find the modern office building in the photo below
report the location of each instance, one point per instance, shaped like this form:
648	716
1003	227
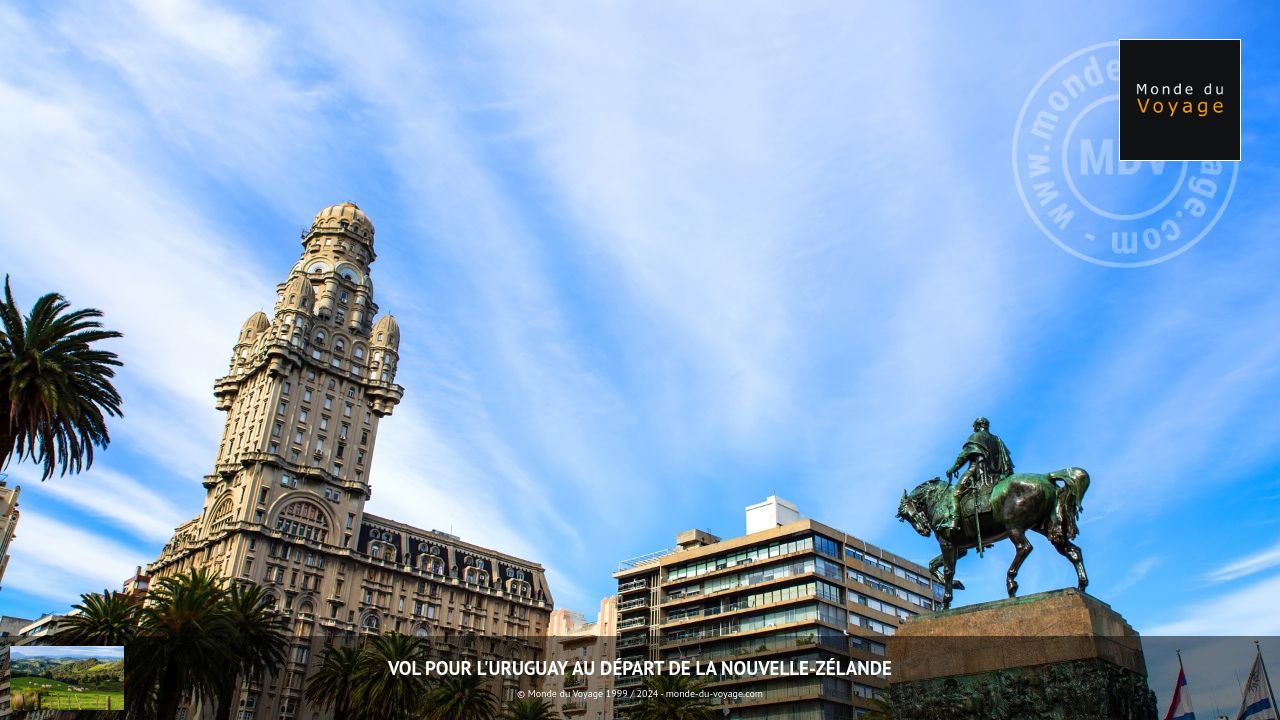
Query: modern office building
791	588
8	521
572	639
284	508
41	628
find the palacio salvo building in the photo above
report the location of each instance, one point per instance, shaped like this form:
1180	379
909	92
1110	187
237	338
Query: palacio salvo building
307	389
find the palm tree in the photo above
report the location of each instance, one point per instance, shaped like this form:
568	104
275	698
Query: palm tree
529	709
259	640
672	697
382	694
460	697
55	387
330	687
181	645
882	706
109	618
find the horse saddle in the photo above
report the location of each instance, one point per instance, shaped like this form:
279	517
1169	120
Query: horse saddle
976	499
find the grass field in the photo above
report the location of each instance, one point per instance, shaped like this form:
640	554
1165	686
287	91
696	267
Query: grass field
56	695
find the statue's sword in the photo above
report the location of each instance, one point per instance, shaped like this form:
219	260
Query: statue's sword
977	514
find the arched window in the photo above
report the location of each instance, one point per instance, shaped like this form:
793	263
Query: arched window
303	519
431	564
420	631
371	622
221	515
320	337
358	351
339	346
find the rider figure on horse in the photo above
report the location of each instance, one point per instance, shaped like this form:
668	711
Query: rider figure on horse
989	462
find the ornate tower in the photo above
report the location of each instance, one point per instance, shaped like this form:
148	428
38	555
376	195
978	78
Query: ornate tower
284	506
304	394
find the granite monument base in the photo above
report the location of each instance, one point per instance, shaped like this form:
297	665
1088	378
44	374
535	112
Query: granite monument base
1060	655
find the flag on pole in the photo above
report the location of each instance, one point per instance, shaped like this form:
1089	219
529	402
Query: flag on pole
1180	708
1258	702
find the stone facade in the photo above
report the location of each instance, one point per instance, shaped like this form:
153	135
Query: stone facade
1061	655
305	392
8	521
572	639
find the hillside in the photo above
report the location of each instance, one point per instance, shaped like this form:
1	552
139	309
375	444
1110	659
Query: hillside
73	671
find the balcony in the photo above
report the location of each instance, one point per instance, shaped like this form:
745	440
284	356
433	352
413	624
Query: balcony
641	584
633	623
629	681
575	681
573	707
641	602
636	641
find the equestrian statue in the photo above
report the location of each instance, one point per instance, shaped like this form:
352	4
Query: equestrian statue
990	503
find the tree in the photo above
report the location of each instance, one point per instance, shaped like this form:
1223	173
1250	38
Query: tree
182	645
55	386
109	618
460	697
259	640
529	709
672	697
383	694
330	687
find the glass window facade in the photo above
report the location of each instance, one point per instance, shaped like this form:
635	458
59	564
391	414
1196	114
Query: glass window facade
741	557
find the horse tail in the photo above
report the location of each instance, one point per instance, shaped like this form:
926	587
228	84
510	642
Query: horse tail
1070	504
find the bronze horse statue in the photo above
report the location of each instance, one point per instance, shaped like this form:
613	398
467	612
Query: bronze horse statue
1021	502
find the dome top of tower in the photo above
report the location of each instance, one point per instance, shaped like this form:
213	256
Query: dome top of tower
256	323
386	333
298	294
344	216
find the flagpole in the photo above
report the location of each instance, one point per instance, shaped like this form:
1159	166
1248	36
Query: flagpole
1265	677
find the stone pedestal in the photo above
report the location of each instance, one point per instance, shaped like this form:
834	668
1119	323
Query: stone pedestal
1060	655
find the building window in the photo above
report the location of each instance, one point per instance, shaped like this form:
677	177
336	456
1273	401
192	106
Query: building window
328	402
303	415
280	408
306	395
286	388
221	516
276	429
324	423
303	519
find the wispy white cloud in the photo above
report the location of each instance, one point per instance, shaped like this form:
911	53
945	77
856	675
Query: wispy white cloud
109	495
1250	609
1260	561
58	561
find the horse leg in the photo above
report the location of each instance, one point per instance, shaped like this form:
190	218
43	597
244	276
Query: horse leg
935	569
948	573
1022	549
1069	550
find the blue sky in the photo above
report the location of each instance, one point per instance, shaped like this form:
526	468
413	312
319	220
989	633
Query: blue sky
653	262
22	652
